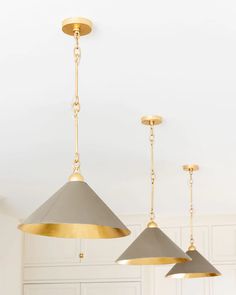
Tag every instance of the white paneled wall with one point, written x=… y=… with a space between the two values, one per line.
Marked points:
x=53 y=266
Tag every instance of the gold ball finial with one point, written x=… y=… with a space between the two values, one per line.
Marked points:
x=76 y=177
x=151 y=224
x=192 y=247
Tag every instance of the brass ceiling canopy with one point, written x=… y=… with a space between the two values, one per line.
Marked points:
x=198 y=267
x=152 y=246
x=75 y=210
x=70 y=25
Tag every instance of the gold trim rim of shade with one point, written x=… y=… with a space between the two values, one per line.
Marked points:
x=151 y=120
x=66 y=230
x=152 y=261
x=84 y=25
x=193 y=275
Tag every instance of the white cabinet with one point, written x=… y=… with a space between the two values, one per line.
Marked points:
x=114 y=288
x=226 y=284
x=170 y=286
x=106 y=251
x=52 y=289
x=40 y=251
x=195 y=286
x=111 y=288
x=224 y=243
x=57 y=260
x=49 y=261
x=163 y=285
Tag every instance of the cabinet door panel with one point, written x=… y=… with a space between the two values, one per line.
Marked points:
x=224 y=251
x=45 y=250
x=195 y=286
x=111 y=288
x=163 y=285
x=226 y=284
x=78 y=272
x=51 y=289
x=106 y=251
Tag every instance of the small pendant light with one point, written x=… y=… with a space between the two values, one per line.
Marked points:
x=152 y=246
x=198 y=267
x=75 y=210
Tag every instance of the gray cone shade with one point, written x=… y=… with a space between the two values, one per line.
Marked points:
x=75 y=211
x=199 y=267
x=152 y=247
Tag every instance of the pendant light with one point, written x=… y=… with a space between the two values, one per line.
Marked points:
x=75 y=210
x=152 y=246
x=198 y=267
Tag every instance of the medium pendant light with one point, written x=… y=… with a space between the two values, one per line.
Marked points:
x=198 y=267
x=152 y=246
x=75 y=210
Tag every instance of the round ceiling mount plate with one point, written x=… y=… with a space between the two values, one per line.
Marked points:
x=151 y=120
x=84 y=26
x=191 y=167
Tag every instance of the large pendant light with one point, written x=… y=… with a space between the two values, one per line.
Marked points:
x=75 y=210
x=198 y=267
x=152 y=246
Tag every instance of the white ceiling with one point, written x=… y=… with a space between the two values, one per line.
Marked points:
x=172 y=58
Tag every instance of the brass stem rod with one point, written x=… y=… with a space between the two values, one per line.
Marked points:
x=153 y=176
x=76 y=103
x=76 y=58
x=191 y=207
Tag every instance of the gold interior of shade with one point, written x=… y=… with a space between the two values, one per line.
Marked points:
x=153 y=260
x=66 y=230
x=193 y=275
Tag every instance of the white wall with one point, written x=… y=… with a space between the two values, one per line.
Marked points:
x=10 y=256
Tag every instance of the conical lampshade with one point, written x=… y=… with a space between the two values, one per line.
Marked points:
x=199 y=267
x=75 y=211
x=152 y=247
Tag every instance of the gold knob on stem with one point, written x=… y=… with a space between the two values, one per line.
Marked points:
x=81 y=255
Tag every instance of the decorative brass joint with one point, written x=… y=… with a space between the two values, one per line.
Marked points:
x=76 y=107
x=81 y=255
